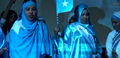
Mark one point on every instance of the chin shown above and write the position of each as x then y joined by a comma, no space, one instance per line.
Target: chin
117,29
84,22
30,19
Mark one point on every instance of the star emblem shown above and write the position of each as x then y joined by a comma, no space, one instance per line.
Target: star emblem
64,3
17,26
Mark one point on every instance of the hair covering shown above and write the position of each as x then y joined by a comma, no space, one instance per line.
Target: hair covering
78,12
116,15
22,13
70,15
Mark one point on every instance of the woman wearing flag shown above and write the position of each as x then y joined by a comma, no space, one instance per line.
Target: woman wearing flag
113,39
79,39
29,36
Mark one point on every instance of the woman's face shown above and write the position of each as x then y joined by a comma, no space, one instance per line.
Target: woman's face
84,16
72,19
116,24
30,12
12,18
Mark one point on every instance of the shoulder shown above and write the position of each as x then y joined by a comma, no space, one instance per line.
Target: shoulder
16,26
112,32
111,35
71,27
40,19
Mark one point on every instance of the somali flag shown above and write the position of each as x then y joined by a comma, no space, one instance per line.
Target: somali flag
63,6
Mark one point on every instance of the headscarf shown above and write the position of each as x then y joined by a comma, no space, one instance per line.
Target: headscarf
116,15
70,15
78,12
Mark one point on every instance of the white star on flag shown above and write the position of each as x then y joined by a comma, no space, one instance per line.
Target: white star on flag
64,3
63,6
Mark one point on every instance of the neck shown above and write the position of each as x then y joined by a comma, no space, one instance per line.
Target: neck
117,30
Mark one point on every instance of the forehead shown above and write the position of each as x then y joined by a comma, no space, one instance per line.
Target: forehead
31,6
13,14
73,16
85,11
114,20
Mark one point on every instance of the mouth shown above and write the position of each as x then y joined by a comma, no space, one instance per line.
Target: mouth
84,21
31,16
115,27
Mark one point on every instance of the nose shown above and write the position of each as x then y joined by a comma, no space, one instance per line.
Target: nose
31,11
85,17
113,24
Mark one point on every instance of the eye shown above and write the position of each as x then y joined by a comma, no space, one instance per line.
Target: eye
34,9
82,14
114,22
27,9
87,14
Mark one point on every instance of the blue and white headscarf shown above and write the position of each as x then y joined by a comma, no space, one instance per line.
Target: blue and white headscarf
116,15
71,14
23,16
78,13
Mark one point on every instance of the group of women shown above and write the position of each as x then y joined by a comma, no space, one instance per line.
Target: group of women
29,36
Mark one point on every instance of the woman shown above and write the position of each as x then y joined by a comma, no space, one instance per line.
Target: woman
71,18
80,38
57,39
10,19
113,39
7,19
29,37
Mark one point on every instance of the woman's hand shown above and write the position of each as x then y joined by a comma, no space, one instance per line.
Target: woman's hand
12,1
2,50
114,54
56,30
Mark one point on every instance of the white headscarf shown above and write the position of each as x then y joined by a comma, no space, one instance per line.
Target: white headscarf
70,15
116,15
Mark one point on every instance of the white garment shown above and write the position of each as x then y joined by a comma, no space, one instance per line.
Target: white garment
109,45
70,15
2,22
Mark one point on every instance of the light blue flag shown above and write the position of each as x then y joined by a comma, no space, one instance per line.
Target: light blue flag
63,6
